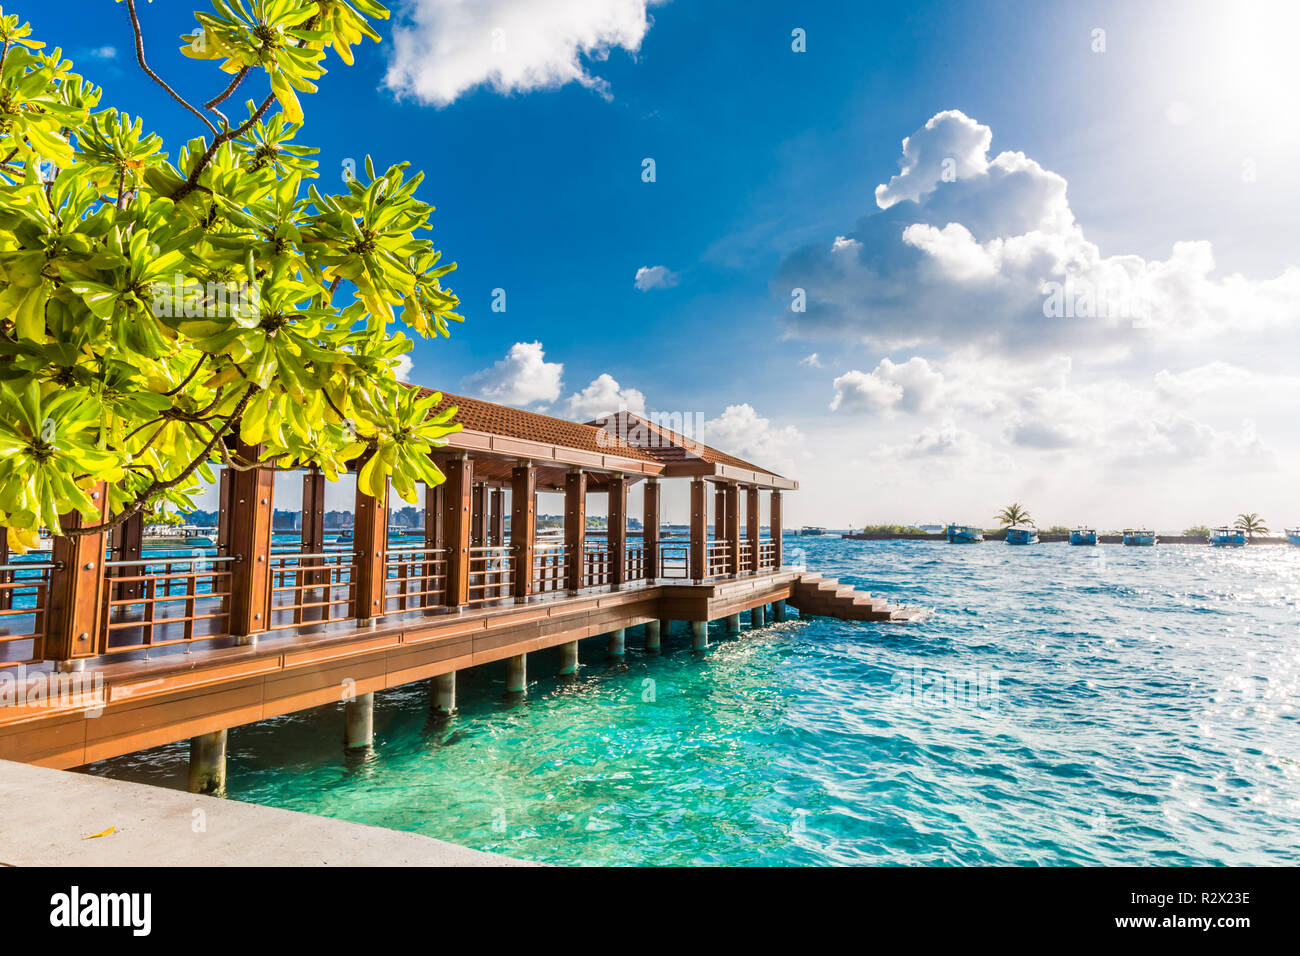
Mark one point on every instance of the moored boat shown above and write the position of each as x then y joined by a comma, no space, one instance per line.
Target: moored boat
1022,534
811,530
1293,535
1228,538
1083,536
962,534
1139,537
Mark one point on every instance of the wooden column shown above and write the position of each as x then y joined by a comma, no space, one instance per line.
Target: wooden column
6,595
220,585
497,524
73,619
370,541
720,513
733,529
312,526
456,530
523,525
752,523
478,516
616,535
575,528
650,527
774,527
127,542
434,507
249,521
433,539
699,529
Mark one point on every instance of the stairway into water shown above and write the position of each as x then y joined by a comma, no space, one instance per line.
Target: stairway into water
812,593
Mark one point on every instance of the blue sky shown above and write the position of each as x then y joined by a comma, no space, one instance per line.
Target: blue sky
936,392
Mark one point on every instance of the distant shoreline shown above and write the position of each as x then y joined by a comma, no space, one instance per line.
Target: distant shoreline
1043,537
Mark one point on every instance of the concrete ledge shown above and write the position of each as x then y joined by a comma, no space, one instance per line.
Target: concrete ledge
49,814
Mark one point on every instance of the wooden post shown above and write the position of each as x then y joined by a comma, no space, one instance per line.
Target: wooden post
733,529
650,528
478,513
127,542
312,540
370,541
720,513
433,538
752,533
616,535
575,529
497,524
523,525
774,527
6,594
73,620
699,530
249,520
456,530
221,584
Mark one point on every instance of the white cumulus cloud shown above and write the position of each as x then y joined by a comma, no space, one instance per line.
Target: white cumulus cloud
444,48
742,432
604,396
910,387
523,377
654,277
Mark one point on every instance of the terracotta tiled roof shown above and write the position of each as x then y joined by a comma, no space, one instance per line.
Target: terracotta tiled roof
479,416
622,434
672,446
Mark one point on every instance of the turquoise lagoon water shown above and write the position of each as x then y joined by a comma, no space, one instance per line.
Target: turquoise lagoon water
1062,706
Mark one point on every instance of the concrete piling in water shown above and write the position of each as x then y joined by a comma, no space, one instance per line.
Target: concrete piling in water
359,722
618,644
443,703
665,627
778,611
569,659
699,635
757,617
733,623
517,674
208,763
652,637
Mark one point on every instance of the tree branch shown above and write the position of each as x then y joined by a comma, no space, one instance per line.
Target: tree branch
143,498
139,55
193,182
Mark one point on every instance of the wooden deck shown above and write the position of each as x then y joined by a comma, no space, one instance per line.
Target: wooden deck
145,703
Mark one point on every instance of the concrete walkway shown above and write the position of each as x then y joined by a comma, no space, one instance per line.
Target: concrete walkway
49,818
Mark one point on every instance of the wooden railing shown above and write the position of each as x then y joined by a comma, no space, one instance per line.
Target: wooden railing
716,558
311,588
674,557
414,578
549,568
491,573
766,555
164,602
597,564
24,596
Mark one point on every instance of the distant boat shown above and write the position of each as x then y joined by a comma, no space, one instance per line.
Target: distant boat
811,529
344,535
1021,534
1228,538
1139,537
1293,535
171,537
1083,536
961,534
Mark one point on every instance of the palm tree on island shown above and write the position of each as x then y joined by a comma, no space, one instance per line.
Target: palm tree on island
1013,515
1252,524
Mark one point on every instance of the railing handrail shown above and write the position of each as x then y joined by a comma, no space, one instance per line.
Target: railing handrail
137,562
415,551
299,554
31,566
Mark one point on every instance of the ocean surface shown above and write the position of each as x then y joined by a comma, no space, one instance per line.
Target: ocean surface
1101,705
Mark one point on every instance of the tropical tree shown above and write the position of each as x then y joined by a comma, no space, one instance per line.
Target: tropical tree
1252,524
1197,531
165,312
1014,514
